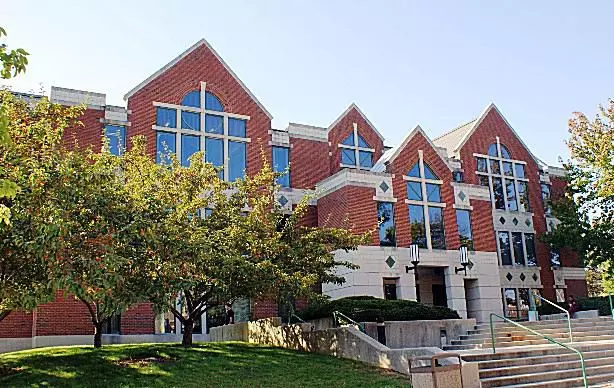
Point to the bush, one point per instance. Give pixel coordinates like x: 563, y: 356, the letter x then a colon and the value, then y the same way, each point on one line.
x: 369, y: 309
x: 600, y: 303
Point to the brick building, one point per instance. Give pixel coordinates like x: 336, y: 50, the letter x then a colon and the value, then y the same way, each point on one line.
x: 477, y: 185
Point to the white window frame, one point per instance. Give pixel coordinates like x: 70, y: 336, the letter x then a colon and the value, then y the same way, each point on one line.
x: 202, y: 134
x: 500, y: 159
x: 425, y: 203
x: 356, y: 148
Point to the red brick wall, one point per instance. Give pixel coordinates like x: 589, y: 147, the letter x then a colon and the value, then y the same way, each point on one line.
x: 482, y: 227
x: 17, y: 324
x: 64, y: 316
x: 185, y: 76
x: 88, y: 133
x: 343, y: 129
x: 264, y: 308
x: 138, y: 319
x: 400, y: 166
x: 309, y: 162
x: 311, y: 217
x: 576, y: 288
x: 492, y: 126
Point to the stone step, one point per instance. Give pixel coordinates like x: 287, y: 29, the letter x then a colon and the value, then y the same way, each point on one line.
x: 547, y: 324
x: 531, y: 339
x: 547, y: 359
x: 601, y: 380
x: 551, y: 331
x: 535, y: 351
x: 543, y: 367
x: 550, y: 377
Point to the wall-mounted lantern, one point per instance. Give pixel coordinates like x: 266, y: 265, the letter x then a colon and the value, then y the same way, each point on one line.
x: 414, y: 258
x: 464, y: 260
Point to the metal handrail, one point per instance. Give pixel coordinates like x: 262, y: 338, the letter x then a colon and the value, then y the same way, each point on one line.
x: 611, y: 306
x: 549, y: 339
x: 337, y: 314
x: 563, y: 310
x: 301, y: 320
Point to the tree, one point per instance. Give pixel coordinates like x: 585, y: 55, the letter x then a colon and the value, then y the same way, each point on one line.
x: 30, y: 241
x: 11, y: 64
x: 586, y: 209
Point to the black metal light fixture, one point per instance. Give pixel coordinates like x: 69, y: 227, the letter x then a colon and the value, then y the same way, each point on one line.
x: 414, y: 257
x: 464, y: 260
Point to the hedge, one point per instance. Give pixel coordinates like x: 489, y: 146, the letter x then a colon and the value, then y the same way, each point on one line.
x: 600, y: 303
x: 370, y: 309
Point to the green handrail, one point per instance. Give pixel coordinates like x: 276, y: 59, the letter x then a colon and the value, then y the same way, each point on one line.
x: 337, y: 314
x: 563, y: 310
x: 611, y: 306
x: 549, y: 339
x: 301, y: 320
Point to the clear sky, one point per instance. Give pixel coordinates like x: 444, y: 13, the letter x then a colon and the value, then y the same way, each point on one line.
x: 433, y: 63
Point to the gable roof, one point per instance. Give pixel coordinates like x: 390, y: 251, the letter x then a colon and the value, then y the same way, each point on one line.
x: 346, y: 112
x: 455, y: 139
x: 202, y: 42
x: 390, y: 155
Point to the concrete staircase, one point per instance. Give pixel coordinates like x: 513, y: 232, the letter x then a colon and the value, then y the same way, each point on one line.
x: 526, y: 360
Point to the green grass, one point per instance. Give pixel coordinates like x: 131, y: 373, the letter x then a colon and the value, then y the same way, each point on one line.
x: 230, y: 364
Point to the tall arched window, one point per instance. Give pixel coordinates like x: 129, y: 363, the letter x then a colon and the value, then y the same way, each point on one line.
x: 425, y: 206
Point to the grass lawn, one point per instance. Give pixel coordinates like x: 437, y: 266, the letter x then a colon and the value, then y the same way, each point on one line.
x: 230, y: 364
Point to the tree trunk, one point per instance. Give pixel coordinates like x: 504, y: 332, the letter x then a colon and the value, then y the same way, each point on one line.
x: 188, y: 328
x: 98, y: 335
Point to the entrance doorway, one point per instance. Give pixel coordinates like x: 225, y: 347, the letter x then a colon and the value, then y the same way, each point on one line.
x: 439, y: 295
x: 390, y: 288
x: 431, y: 286
x: 472, y: 297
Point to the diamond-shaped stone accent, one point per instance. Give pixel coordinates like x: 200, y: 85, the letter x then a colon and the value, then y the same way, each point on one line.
x: 535, y: 277
x: 515, y: 221
x: 462, y: 196
x: 522, y: 277
x: 502, y: 220
x: 509, y: 276
x: 384, y: 186
x: 390, y: 261
x: 283, y: 200
x: 527, y: 222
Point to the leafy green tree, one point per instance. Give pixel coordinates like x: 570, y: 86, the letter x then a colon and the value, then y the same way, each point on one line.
x: 31, y: 241
x: 11, y: 64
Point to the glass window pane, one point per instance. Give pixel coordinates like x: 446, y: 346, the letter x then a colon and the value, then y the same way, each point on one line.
x: 116, y: 137
x: 510, y: 189
x: 414, y: 171
x: 362, y: 143
x: 212, y: 102
x: 492, y: 150
x: 463, y: 221
x: 519, y: 170
x: 518, y: 250
x: 508, y: 169
x: 214, y: 154
x: 523, y: 302
x: 165, y: 145
x: 497, y: 186
x: 505, y: 248
x: 555, y: 257
x: 438, y: 240
x: 546, y: 198
x: 281, y: 161
x: 214, y: 124
x: 523, y: 197
x: 433, y: 192
x: 416, y: 223
x: 366, y: 159
x: 457, y: 176
x: 192, y: 99
x: 495, y: 167
x: 349, y: 140
x: 348, y: 157
x: 505, y: 153
x: 385, y: 219
x: 237, y: 158
x: 190, y: 120
x: 511, y: 307
x: 189, y: 145
x: 529, y: 242
x: 166, y: 117
x: 483, y: 180
x: 428, y: 173
x: 481, y: 164
x: 414, y: 191
x: 236, y: 127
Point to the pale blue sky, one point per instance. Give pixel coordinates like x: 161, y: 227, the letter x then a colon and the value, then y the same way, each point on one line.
x: 433, y: 63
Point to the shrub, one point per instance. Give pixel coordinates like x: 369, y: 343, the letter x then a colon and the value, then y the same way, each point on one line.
x: 369, y: 309
x: 600, y: 303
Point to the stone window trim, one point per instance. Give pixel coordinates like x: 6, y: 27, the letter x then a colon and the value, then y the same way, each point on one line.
x: 178, y: 131
x: 356, y: 148
x: 424, y: 202
x: 501, y: 175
